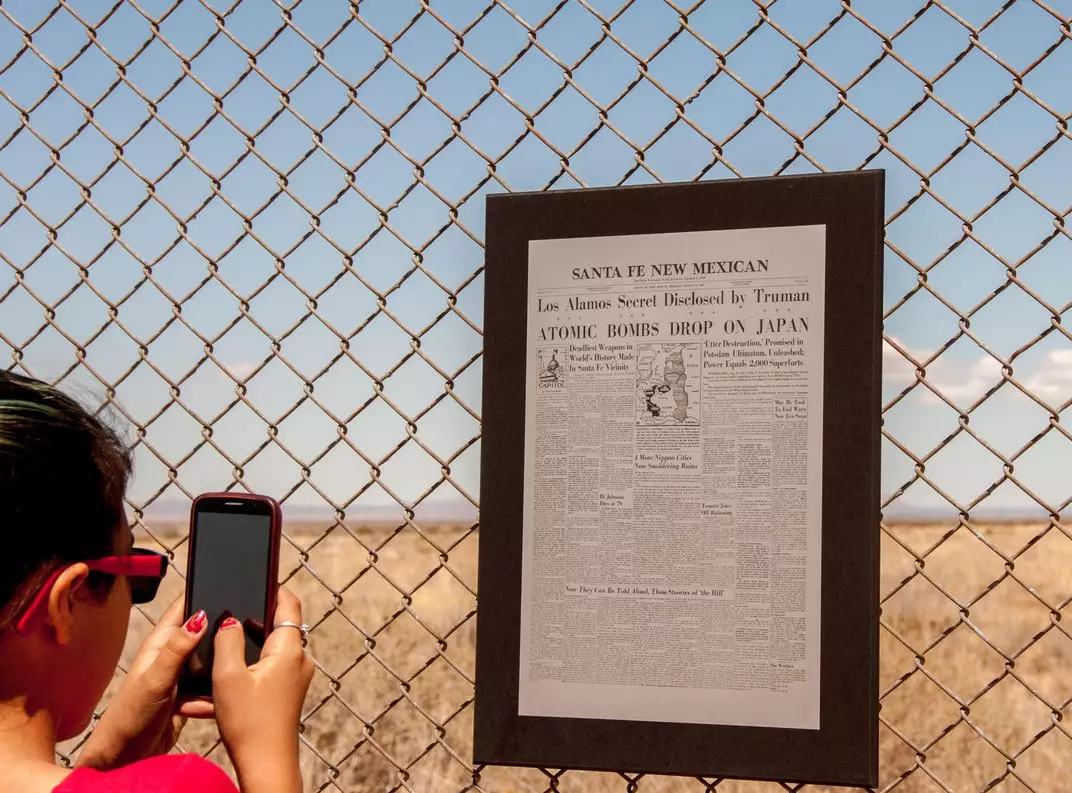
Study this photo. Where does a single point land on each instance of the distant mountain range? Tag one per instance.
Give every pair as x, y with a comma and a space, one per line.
441, 511
458, 511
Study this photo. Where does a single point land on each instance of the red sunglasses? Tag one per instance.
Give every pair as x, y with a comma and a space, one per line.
143, 568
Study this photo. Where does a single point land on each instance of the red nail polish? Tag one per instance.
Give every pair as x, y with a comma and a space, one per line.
196, 622
230, 622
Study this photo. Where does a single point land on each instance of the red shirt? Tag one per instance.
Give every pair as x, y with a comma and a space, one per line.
169, 773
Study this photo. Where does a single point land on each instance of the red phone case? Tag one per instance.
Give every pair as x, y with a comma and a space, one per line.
272, 573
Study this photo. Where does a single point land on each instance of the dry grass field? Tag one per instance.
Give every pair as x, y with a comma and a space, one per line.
392, 667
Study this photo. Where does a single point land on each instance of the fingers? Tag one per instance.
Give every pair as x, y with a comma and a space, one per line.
158, 637
285, 641
163, 671
287, 607
195, 709
230, 651
172, 616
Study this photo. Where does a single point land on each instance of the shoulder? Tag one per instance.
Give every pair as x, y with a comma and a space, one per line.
170, 773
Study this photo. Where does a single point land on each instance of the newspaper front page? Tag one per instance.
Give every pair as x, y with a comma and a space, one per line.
673, 460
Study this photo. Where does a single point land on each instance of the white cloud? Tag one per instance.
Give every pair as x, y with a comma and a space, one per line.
1053, 380
239, 371
963, 382
958, 381
896, 369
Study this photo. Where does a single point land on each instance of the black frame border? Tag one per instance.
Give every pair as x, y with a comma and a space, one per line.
845, 749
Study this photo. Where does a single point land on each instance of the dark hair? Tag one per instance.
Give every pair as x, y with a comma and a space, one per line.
63, 473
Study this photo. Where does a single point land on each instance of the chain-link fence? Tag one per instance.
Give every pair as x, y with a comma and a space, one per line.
254, 229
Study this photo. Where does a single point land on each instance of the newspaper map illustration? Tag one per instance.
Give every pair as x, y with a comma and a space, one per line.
668, 384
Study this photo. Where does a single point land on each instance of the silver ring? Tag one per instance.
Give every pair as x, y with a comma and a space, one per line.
303, 628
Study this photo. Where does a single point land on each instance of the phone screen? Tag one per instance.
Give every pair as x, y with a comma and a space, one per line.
232, 551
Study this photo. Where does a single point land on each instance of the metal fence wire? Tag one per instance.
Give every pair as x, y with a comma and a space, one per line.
253, 231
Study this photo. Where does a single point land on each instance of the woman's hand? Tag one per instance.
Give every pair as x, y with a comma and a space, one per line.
258, 707
145, 717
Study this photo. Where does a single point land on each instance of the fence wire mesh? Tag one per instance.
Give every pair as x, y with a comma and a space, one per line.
254, 231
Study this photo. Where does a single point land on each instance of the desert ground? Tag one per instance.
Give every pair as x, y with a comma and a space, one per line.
965, 687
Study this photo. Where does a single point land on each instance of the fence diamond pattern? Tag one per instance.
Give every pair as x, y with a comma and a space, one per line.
182, 183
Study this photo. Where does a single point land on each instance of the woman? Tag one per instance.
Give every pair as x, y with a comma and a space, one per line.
68, 576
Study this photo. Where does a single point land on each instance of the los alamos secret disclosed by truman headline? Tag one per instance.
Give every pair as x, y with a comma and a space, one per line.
672, 299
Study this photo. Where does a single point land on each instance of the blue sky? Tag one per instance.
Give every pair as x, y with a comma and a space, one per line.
321, 127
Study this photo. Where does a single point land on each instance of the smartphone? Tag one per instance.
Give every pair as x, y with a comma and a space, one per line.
232, 571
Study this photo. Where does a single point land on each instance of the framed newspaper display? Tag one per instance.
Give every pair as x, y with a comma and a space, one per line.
680, 484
